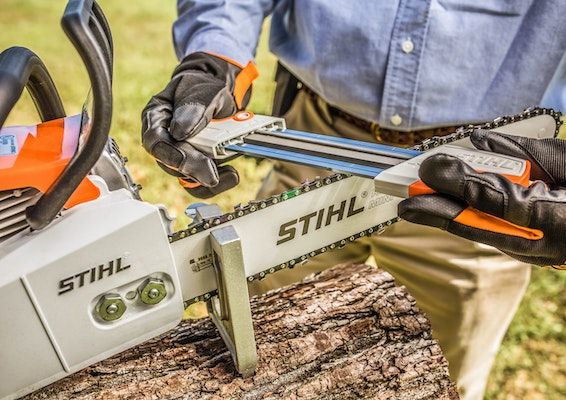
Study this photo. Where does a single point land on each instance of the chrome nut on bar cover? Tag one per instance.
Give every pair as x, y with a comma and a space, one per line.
397, 180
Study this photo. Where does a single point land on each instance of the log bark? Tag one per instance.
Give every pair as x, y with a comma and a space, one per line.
347, 333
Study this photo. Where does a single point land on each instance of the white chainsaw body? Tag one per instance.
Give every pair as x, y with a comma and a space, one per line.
49, 331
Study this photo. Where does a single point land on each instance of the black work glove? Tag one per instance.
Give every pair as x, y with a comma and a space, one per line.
532, 224
202, 87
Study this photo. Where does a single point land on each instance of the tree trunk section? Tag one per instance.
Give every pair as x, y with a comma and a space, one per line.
347, 333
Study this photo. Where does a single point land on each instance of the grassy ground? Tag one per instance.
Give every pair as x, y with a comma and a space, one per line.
532, 361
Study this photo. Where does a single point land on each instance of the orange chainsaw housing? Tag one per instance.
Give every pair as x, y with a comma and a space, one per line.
34, 156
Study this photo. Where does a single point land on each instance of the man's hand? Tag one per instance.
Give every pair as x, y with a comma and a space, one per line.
203, 87
538, 211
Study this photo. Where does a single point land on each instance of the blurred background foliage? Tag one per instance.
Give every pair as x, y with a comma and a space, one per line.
531, 363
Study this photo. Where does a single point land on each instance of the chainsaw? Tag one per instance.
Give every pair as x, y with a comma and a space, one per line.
88, 269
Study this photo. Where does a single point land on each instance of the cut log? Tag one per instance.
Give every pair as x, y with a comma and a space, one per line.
347, 333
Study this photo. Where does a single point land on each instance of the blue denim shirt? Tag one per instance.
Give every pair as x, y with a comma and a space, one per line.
406, 64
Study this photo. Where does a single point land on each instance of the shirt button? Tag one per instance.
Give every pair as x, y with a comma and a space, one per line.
408, 46
396, 120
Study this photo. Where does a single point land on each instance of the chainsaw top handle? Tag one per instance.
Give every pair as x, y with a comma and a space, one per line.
21, 68
88, 30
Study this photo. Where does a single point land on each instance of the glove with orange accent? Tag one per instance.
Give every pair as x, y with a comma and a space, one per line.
531, 221
202, 87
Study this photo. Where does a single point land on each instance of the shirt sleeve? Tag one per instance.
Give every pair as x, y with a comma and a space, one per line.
229, 28
555, 95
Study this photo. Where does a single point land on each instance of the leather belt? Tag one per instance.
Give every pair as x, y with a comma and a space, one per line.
385, 135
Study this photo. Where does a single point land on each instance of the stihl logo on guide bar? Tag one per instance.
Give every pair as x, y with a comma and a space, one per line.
318, 219
91, 275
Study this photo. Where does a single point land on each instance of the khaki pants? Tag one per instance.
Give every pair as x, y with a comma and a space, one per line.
469, 291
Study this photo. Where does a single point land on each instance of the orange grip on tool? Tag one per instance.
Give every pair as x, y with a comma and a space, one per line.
486, 222
480, 220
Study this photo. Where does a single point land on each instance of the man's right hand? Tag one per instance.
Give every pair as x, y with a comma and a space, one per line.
531, 220
202, 87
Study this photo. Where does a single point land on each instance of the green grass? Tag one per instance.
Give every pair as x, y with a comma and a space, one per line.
532, 361
144, 61
531, 364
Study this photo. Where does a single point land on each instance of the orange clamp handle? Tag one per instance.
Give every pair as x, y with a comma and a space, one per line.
487, 222
244, 79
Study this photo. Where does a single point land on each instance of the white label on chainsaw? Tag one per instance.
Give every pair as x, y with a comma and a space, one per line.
8, 145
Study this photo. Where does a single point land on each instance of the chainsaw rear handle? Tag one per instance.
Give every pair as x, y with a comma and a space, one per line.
87, 28
21, 68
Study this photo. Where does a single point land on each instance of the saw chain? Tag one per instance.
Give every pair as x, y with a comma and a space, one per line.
241, 211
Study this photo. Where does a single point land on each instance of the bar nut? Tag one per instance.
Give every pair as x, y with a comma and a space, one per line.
152, 291
111, 307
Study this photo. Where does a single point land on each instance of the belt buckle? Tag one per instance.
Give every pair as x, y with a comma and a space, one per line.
376, 131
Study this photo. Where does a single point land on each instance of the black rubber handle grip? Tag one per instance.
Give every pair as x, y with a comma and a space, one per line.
21, 68
87, 28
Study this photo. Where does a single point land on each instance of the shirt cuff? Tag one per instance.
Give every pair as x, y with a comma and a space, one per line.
217, 44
